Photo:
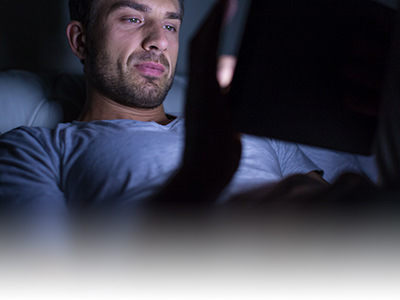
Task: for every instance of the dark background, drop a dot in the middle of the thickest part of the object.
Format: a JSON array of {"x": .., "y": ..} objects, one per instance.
[{"x": 313, "y": 71}]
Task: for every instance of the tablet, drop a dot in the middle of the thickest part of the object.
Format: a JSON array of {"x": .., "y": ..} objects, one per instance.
[{"x": 312, "y": 71}]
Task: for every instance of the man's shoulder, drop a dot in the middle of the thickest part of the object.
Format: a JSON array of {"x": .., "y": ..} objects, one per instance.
[
  {"x": 32, "y": 139},
  {"x": 26, "y": 132}
]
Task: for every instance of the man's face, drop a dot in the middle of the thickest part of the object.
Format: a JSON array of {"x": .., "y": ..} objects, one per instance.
[{"x": 132, "y": 50}]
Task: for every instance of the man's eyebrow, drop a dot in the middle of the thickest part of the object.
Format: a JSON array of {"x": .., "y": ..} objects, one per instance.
[
  {"x": 174, "y": 16},
  {"x": 142, "y": 8},
  {"x": 130, "y": 4}
]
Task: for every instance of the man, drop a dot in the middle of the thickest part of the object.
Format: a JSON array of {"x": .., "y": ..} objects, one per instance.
[{"x": 125, "y": 150}]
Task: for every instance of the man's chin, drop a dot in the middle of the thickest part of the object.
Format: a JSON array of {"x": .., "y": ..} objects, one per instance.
[
  {"x": 142, "y": 92},
  {"x": 146, "y": 98},
  {"x": 148, "y": 79},
  {"x": 152, "y": 88}
]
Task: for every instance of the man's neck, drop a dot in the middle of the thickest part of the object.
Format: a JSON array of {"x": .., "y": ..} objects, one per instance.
[{"x": 99, "y": 107}]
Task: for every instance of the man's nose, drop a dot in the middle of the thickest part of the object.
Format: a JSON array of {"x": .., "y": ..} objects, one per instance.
[{"x": 155, "y": 38}]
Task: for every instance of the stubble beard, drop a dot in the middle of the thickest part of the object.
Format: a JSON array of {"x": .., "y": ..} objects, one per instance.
[{"x": 125, "y": 85}]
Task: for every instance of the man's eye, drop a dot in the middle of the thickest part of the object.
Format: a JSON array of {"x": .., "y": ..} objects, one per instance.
[
  {"x": 170, "y": 28},
  {"x": 134, "y": 20}
]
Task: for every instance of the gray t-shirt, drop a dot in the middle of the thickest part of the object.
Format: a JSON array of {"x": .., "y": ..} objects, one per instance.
[{"x": 118, "y": 162}]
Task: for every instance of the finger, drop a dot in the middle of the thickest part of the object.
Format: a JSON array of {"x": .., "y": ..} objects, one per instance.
[{"x": 225, "y": 70}]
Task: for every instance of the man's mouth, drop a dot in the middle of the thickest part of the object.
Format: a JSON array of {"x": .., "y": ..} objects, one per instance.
[{"x": 150, "y": 69}]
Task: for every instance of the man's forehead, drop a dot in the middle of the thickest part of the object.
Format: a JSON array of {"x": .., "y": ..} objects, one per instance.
[{"x": 148, "y": 5}]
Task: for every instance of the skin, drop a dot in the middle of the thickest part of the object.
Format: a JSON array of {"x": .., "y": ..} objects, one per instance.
[
  {"x": 225, "y": 70},
  {"x": 126, "y": 37}
]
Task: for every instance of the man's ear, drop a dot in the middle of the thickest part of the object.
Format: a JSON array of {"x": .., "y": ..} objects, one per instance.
[{"x": 77, "y": 39}]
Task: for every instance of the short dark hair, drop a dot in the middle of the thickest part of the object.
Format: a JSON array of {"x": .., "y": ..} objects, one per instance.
[
  {"x": 82, "y": 10},
  {"x": 79, "y": 10}
]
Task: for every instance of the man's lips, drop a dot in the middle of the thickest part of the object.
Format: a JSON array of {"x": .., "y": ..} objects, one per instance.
[{"x": 150, "y": 69}]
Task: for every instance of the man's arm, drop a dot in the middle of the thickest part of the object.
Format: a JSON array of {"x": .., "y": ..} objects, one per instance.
[{"x": 29, "y": 182}]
